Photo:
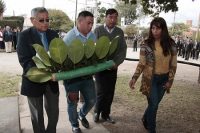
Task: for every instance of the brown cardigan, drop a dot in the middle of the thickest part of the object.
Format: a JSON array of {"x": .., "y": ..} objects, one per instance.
[{"x": 146, "y": 67}]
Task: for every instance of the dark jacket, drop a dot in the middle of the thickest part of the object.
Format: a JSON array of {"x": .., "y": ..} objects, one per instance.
[
  {"x": 198, "y": 46},
  {"x": 7, "y": 36},
  {"x": 25, "y": 53}
]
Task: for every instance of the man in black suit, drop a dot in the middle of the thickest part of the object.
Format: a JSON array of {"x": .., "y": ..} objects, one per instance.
[{"x": 36, "y": 91}]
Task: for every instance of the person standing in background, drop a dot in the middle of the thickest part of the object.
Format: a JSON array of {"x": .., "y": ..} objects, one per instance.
[
  {"x": 157, "y": 64},
  {"x": 14, "y": 38},
  {"x": 188, "y": 49},
  {"x": 17, "y": 34},
  {"x": 8, "y": 39},
  {"x": 1, "y": 40},
  {"x": 197, "y": 50},
  {"x": 135, "y": 41},
  {"x": 106, "y": 80},
  {"x": 37, "y": 93}
]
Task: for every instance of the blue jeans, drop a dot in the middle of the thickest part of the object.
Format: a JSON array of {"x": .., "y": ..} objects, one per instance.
[
  {"x": 156, "y": 94},
  {"x": 87, "y": 89}
]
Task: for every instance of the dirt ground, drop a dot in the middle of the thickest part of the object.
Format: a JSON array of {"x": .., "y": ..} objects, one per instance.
[{"x": 178, "y": 111}]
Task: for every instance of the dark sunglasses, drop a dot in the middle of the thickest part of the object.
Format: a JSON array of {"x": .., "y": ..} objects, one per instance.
[{"x": 43, "y": 20}]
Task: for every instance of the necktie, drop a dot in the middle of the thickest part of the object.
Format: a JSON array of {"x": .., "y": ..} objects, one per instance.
[{"x": 44, "y": 41}]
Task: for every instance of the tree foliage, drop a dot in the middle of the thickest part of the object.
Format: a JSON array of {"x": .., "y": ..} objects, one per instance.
[
  {"x": 101, "y": 15},
  {"x": 128, "y": 11},
  {"x": 13, "y": 21},
  {"x": 154, "y": 7},
  {"x": 59, "y": 20},
  {"x": 178, "y": 28},
  {"x": 130, "y": 30},
  {"x": 2, "y": 7},
  {"x": 144, "y": 32}
]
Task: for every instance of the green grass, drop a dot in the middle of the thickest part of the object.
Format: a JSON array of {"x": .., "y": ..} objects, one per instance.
[
  {"x": 123, "y": 90},
  {"x": 9, "y": 84}
]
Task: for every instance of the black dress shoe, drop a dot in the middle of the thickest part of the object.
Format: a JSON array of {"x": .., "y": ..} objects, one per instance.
[
  {"x": 144, "y": 121},
  {"x": 76, "y": 130},
  {"x": 84, "y": 122},
  {"x": 108, "y": 119},
  {"x": 96, "y": 117}
]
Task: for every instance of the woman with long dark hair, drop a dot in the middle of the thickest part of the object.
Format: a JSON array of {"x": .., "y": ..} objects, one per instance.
[{"x": 157, "y": 64}]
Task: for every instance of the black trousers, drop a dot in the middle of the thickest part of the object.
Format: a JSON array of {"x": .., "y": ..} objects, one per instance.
[
  {"x": 105, "y": 88},
  {"x": 51, "y": 103},
  {"x": 2, "y": 45}
]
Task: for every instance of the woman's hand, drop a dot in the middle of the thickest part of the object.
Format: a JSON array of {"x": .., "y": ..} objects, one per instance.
[
  {"x": 167, "y": 86},
  {"x": 132, "y": 83}
]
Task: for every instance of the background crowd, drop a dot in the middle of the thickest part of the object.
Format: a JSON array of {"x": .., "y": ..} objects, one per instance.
[
  {"x": 187, "y": 47},
  {"x": 8, "y": 39}
]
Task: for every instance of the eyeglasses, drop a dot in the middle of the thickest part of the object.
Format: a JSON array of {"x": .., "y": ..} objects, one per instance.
[{"x": 43, "y": 20}]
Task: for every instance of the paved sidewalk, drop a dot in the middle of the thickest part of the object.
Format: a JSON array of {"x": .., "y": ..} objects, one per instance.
[
  {"x": 9, "y": 115},
  {"x": 63, "y": 123}
]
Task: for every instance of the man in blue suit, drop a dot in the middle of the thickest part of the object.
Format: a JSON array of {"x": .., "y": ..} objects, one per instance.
[{"x": 36, "y": 91}]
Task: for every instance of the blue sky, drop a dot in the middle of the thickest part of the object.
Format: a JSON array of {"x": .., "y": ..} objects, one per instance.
[{"x": 188, "y": 10}]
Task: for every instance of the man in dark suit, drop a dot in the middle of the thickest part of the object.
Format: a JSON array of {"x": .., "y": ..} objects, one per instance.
[
  {"x": 8, "y": 39},
  {"x": 36, "y": 91}
]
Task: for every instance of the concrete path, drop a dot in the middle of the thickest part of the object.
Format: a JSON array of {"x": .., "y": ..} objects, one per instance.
[
  {"x": 63, "y": 123},
  {"x": 9, "y": 115}
]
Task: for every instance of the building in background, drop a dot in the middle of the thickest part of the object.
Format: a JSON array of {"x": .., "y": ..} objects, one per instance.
[
  {"x": 27, "y": 23},
  {"x": 189, "y": 23}
]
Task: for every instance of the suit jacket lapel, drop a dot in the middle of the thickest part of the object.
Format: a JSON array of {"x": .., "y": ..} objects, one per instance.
[{"x": 36, "y": 36}]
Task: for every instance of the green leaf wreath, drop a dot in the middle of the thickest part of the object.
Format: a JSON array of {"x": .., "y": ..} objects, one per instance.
[{"x": 71, "y": 61}]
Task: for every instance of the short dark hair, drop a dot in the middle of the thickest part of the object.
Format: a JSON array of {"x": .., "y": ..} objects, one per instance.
[
  {"x": 85, "y": 14},
  {"x": 111, "y": 11},
  {"x": 35, "y": 11}
]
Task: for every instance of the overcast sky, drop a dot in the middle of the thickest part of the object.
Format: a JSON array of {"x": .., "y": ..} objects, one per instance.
[
  {"x": 68, "y": 6},
  {"x": 188, "y": 10}
]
